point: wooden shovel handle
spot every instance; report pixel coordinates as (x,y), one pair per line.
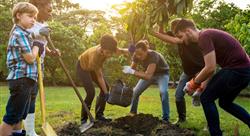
(72,82)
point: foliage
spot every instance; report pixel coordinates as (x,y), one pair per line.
(70,41)
(240,28)
(213,13)
(141,15)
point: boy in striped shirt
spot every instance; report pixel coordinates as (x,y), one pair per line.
(21,62)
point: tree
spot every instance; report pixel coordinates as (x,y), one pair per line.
(141,15)
(239,26)
(213,13)
(70,41)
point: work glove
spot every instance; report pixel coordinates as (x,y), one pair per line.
(40,45)
(196,97)
(44,31)
(106,96)
(191,87)
(131,48)
(128,70)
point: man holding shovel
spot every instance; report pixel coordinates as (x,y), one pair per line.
(89,70)
(39,31)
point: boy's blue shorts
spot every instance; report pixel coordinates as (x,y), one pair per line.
(19,101)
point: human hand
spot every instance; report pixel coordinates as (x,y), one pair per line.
(56,52)
(196,98)
(191,87)
(40,46)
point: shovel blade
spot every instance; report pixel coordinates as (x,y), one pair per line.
(86,126)
(47,130)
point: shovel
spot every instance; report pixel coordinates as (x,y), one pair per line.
(85,126)
(47,130)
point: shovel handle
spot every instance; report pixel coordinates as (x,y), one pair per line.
(71,80)
(41,89)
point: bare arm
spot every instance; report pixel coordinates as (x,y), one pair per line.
(167,38)
(208,70)
(101,81)
(31,57)
(122,51)
(148,73)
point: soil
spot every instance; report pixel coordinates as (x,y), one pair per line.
(138,125)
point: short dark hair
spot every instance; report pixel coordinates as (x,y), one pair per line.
(183,24)
(108,42)
(173,24)
(142,44)
(39,3)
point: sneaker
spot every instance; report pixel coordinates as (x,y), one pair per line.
(165,121)
(103,119)
(19,134)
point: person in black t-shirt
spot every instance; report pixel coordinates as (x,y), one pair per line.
(156,70)
(191,63)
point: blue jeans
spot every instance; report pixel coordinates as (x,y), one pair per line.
(225,86)
(142,85)
(179,94)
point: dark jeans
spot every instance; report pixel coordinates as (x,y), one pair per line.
(87,78)
(33,99)
(225,85)
(19,101)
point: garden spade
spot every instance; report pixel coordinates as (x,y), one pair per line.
(85,126)
(47,130)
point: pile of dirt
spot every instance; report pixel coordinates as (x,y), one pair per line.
(138,125)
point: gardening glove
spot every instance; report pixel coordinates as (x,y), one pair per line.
(196,97)
(190,87)
(106,96)
(44,31)
(128,70)
(40,46)
(131,48)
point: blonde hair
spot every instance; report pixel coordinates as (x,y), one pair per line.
(23,7)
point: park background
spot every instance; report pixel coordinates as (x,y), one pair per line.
(75,29)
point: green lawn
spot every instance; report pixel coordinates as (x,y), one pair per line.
(63,106)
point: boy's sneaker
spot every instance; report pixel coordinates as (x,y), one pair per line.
(103,119)
(19,134)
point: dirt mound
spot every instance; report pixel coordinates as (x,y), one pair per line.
(138,125)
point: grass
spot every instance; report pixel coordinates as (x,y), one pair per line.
(63,106)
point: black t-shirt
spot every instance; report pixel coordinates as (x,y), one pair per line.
(191,58)
(154,57)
